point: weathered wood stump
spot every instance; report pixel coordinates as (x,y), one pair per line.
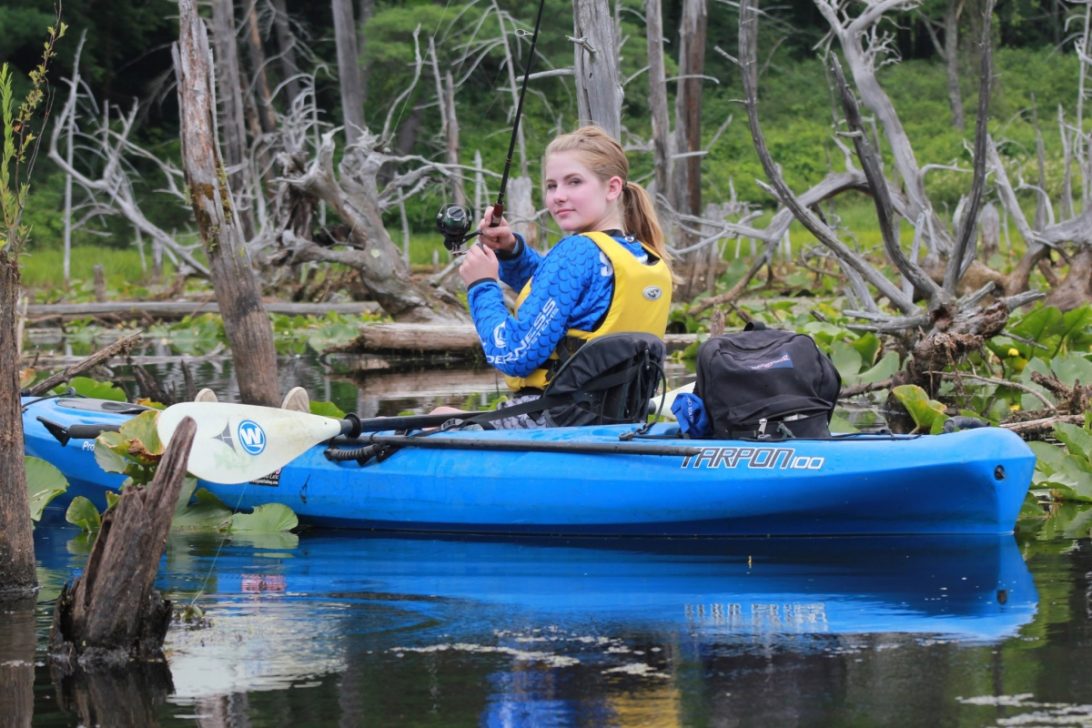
(111,615)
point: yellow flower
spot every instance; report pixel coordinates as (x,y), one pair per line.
(1013,351)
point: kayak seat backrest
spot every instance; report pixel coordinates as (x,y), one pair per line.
(608,380)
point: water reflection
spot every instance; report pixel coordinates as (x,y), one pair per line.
(552,632)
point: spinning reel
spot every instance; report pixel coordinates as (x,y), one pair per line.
(453,222)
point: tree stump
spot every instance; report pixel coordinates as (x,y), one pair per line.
(111,615)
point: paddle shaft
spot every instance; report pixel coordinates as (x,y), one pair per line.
(482,443)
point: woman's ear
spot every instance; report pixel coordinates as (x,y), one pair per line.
(615,186)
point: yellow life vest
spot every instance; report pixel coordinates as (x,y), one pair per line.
(641,302)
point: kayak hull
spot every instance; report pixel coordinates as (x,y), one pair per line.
(966,482)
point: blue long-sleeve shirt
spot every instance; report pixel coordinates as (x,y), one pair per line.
(573,286)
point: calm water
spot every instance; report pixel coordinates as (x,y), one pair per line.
(348,629)
(339,628)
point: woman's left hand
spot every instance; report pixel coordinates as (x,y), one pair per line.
(478,263)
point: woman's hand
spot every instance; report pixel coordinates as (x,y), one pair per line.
(498,236)
(479,262)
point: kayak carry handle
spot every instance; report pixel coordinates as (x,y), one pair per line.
(75,432)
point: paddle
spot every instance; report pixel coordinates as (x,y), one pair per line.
(662,404)
(236,443)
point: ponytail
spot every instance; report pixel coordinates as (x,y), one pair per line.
(641,220)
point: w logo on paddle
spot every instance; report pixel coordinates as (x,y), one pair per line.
(251,437)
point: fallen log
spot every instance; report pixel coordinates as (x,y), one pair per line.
(387,346)
(111,615)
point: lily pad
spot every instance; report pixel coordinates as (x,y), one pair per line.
(268,518)
(87,387)
(44,483)
(928,414)
(204,513)
(83,513)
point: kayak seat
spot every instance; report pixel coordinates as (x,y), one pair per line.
(608,380)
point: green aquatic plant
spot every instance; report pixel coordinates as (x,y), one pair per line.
(929,415)
(87,387)
(1064,471)
(44,483)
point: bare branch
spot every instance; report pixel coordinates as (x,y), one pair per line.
(748,36)
(877,183)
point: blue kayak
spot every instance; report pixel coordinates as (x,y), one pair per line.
(600,481)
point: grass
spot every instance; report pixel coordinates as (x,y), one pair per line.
(42,272)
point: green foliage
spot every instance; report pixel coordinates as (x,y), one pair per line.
(928,414)
(1065,470)
(83,513)
(44,483)
(268,518)
(327,409)
(18,141)
(193,335)
(43,271)
(87,387)
(208,513)
(297,334)
(134,450)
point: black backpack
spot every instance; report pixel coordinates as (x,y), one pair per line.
(761,382)
(609,380)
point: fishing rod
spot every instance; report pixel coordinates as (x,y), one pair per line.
(454,221)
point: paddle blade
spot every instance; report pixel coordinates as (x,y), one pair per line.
(662,404)
(236,443)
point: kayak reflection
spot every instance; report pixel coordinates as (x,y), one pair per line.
(970,587)
(280,612)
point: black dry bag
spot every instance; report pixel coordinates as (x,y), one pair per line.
(761,382)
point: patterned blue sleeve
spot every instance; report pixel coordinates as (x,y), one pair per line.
(518,269)
(572,288)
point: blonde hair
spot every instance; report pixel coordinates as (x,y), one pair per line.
(604,156)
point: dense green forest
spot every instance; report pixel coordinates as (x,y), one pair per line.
(126,60)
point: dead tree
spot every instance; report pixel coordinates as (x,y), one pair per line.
(245,322)
(947,47)
(949,326)
(368,181)
(598,85)
(350,79)
(678,151)
(106,140)
(17,567)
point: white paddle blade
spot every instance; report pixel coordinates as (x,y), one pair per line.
(667,399)
(237,443)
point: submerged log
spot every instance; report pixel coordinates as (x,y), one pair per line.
(111,616)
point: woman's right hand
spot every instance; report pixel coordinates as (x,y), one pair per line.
(496,236)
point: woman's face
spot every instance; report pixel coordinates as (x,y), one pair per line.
(578,200)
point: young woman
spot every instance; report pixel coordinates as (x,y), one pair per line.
(608,274)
